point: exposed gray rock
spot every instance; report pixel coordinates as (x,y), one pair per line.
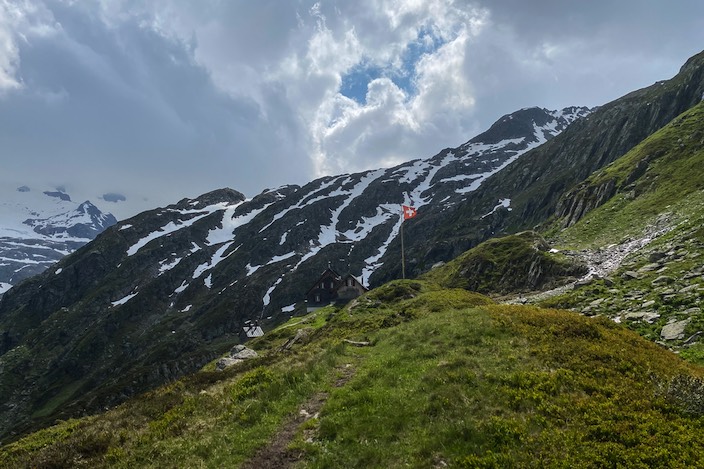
(656,256)
(225,363)
(689,289)
(648,304)
(301,334)
(649,267)
(663,280)
(631,275)
(238,354)
(241,352)
(693,310)
(646,316)
(674,331)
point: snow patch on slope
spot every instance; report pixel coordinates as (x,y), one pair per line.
(172,227)
(505,203)
(218,257)
(124,300)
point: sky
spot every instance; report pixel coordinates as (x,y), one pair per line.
(153,101)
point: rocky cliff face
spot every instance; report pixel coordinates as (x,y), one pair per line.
(157,295)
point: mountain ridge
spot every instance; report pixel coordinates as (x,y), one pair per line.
(194,272)
(536,183)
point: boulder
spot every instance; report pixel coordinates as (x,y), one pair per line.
(656,256)
(649,267)
(663,280)
(243,353)
(225,363)
(631,275)
(646,316)
(237,354)
(674,330)
(689,289)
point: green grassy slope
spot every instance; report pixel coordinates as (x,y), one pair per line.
(446,377)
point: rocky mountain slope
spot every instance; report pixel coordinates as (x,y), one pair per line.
(646,241)
(159,294)
(37,228)
(536,183)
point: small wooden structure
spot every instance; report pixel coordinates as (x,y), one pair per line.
(332,287)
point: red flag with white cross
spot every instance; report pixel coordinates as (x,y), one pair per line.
(408,212)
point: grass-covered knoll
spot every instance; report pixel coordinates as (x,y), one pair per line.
(448,378)
(661,175)
(515,263)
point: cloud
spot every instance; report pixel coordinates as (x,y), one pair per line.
(413,61)
(165,99)
(126,108)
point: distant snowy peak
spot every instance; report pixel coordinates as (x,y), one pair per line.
(38,228)
(84,222)
(530,124)
(571,114)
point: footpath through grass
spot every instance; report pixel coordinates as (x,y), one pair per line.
(510,386)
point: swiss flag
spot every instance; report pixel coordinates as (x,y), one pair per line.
(408,212)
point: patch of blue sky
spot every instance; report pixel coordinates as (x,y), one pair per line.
(354,84)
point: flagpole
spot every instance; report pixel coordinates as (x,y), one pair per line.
(408,212)
(403,255)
